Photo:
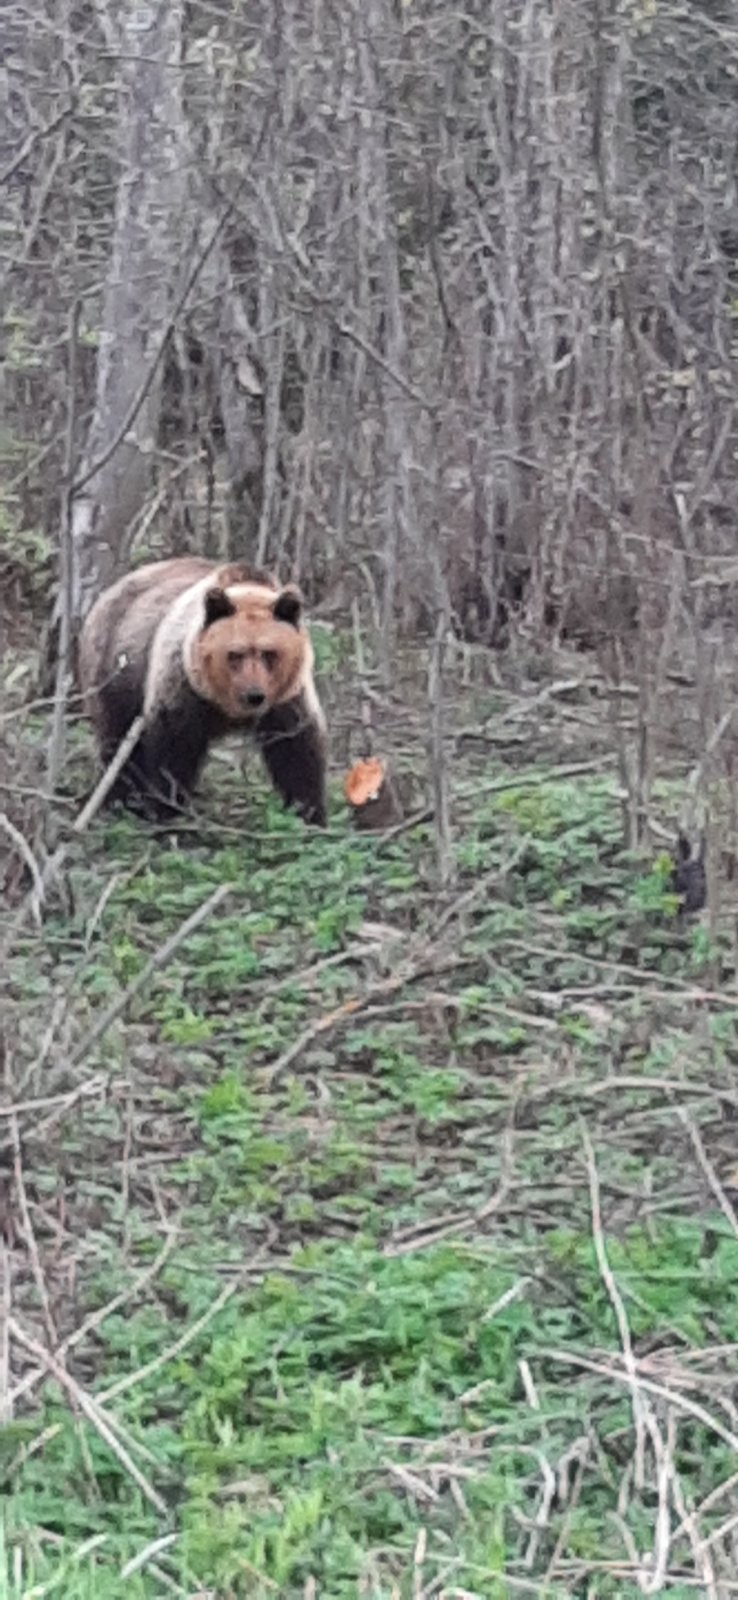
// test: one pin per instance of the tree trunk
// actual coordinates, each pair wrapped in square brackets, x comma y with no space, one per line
[146,260]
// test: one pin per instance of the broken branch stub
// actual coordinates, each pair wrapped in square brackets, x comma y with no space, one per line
[371,793]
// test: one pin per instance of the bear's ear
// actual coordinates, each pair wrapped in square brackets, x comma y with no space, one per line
[217,606]
[288,605]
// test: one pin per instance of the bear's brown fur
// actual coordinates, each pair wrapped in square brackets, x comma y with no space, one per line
[203,650]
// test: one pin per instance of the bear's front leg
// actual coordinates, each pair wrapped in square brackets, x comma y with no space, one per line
[162,771]
[293,745]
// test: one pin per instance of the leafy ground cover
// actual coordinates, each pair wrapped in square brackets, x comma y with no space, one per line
[381,1243]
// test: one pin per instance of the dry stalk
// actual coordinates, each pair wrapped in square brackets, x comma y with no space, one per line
[148,1554]
[674,1397]
[639,1408]
[408,972]
[96,1318]
[709,1171]
[91,1409]
[361,679]
[65,644]
[30,1237]
[37,894]
[92,1086]
[158,960]
[131,1380]
[700,1547]
[438,762]
[432,1232]
[54,865]
[107,779]
[6,1301]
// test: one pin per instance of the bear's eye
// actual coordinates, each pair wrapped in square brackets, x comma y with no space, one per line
[269,658]
[235,657]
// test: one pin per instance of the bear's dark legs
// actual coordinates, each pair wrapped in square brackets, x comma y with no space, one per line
[128,786]
[160,774]
[294,750]
[111,731]
[117,702]
[169,757]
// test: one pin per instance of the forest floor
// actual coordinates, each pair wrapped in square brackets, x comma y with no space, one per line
[378,1242]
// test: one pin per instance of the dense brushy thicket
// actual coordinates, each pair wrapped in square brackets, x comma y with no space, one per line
[471,316]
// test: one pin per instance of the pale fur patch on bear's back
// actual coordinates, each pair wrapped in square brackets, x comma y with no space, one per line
[121,624]
[313,709]
[172,643]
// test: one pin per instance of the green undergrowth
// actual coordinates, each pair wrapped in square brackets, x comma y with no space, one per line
[361,1160]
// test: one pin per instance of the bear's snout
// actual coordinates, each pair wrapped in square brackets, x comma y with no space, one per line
[253,698]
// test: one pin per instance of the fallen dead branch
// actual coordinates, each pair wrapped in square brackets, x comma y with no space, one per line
[409,973]
[96,1318]
[36,895]
[92,1411]
[52,868]
[131,1379]
[428,960]
[50,1102]
[609,1370]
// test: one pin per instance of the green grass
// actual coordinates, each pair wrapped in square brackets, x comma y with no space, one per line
[381,1357]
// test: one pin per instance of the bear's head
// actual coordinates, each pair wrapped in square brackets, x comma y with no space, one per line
[252,651]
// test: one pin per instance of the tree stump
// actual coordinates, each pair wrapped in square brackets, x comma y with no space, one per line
[372,795]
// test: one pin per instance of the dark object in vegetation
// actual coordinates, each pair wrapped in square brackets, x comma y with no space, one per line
[203,650]
[688,878]
[372,795]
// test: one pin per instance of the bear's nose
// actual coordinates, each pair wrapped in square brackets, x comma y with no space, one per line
[254,697]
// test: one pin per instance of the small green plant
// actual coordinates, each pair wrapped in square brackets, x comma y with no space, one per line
[652,893]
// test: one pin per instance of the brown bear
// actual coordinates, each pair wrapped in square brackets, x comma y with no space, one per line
[203,650]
